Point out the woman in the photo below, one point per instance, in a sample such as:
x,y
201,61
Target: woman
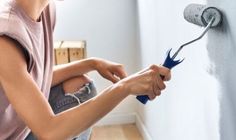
x,y
27,74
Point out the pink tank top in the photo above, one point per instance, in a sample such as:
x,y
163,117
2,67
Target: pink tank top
x,y
37,42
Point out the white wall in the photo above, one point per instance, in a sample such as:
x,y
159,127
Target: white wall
x,y
221,49
188,109
109,27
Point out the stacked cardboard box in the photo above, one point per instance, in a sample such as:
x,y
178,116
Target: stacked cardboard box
x,y
69,51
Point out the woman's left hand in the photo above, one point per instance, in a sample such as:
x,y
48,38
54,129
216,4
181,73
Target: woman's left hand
x,y
110,70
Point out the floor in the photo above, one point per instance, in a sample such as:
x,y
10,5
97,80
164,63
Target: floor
x,y
116,132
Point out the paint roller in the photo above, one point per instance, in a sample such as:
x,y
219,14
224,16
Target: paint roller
x,y
202,15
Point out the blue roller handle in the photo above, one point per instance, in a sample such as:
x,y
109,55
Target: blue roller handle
x,y
169,63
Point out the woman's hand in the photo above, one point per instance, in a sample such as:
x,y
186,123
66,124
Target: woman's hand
x,y
109,70
147,82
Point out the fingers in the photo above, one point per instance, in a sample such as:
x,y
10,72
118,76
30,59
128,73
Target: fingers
x,y
165,72
120,71
158,83
116,73
156,89
157,77
113,78
148,81
111,71
151,96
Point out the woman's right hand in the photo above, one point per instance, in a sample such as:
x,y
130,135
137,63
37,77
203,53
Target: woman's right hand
x,y
147,82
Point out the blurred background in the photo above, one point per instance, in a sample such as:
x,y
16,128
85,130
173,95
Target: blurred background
x,y
199,101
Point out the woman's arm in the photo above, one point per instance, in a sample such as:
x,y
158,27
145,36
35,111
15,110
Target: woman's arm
x,y
33,108
66,71
109,70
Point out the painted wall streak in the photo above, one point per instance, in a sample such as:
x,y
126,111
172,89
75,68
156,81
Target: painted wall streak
x,y
221,49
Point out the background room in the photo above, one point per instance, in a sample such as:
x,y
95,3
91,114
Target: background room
x,y
198,103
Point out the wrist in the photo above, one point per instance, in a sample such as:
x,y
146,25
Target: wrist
x,y
123,87
93,63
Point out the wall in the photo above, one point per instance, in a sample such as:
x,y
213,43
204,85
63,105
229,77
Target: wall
x,y
189,108
109,27
221,48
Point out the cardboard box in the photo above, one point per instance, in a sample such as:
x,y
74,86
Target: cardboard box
x,y
69,51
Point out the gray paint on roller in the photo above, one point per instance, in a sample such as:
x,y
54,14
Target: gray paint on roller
x,y
193,14
221,48
202,14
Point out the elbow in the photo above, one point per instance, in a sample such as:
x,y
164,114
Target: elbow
x,y
47,133
48,136
52,135
45,136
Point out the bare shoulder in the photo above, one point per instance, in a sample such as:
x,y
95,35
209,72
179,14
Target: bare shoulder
x,y
12,58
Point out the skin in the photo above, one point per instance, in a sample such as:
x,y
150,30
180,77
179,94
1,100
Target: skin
x,y
39,116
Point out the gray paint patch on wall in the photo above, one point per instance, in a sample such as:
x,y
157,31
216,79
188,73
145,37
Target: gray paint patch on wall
x,y
221,48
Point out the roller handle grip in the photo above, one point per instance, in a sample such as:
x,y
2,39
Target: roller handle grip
x,y
169,63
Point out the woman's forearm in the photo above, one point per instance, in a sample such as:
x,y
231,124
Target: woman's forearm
x,y
66,71
75,120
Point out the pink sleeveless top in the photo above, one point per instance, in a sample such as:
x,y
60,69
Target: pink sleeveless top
x,y
37,42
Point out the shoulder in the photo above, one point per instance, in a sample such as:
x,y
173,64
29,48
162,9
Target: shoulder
x,y
12,57
12,25
13,29
14,35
